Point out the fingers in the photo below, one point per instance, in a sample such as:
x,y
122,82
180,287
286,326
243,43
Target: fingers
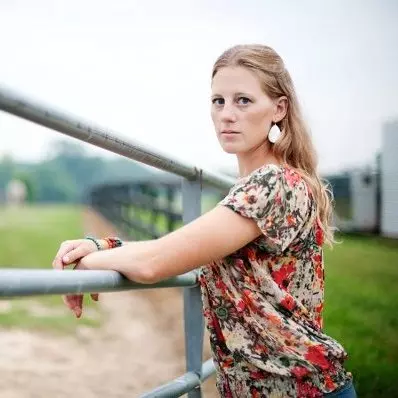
x,y
75,254
71,251
95,296
65,247
75,303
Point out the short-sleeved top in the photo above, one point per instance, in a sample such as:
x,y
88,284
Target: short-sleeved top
x,y
263,303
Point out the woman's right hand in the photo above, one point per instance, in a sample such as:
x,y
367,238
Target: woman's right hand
x,y
71,252
73,249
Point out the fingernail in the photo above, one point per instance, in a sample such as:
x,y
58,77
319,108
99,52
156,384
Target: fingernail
x,y
66,259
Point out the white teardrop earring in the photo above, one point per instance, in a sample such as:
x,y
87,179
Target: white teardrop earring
x,y
274,133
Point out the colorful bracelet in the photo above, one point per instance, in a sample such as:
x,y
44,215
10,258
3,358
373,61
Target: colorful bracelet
x,y
113,242
95,241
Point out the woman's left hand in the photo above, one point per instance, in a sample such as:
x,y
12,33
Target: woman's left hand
x,y
75,301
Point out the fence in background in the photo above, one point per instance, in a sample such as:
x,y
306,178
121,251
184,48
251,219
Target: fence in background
x,y
14,283
141,211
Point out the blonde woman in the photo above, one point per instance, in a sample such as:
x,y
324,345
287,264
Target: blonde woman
x,y
263,279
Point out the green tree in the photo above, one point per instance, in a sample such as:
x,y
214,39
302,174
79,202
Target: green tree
x,y
7,170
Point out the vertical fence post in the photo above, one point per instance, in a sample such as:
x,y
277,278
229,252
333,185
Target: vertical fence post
x,y
193,315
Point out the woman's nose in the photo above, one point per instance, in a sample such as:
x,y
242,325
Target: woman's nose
x,y
228,114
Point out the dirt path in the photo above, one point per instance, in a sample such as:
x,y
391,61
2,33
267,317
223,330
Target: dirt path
x,y
139,346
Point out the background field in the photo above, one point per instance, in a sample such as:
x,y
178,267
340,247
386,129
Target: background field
x,y
361,291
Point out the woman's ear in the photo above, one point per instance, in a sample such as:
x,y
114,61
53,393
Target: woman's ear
x,y
281,106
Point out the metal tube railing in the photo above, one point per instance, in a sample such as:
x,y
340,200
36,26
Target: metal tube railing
x,y
38,282
40,113
193,316
182,385
24,282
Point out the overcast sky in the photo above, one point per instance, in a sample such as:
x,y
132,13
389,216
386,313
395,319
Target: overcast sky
x,y
143,69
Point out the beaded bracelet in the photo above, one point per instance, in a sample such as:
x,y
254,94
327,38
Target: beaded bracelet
x,y
113,242
95,241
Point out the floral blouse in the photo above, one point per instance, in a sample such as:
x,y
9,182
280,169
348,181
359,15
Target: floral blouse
x,y
263,304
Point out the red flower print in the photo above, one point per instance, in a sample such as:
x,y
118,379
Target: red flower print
x,y
261,348
251,253
319,271
247,294
227,363
319,238
330,384
290,220
292,178
319,308
241,306
275,320
227,390
221,285
283,275
217,329
318,316
257,375
288,302
238,263
254,393
317,356
306,390
299,372
317,258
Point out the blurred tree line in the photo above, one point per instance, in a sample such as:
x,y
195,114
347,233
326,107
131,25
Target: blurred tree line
x,y
68,173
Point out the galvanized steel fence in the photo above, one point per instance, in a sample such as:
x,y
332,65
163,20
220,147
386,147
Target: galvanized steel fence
x,y
14,283
134,207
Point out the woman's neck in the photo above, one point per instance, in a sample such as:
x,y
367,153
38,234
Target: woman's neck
x,y
250,162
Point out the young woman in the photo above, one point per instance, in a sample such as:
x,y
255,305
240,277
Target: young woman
x,y
263,279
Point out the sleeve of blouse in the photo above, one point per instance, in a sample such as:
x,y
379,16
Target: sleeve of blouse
x,y
276,199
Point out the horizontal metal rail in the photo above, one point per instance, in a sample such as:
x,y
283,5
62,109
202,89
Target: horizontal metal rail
x,y
183,384
25,282
73,126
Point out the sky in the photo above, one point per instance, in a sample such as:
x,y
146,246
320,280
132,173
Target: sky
x,y
142,68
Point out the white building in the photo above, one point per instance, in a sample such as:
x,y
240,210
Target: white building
x,y
363,187
389,180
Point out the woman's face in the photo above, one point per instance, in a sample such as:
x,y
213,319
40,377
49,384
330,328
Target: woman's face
x,y
242,113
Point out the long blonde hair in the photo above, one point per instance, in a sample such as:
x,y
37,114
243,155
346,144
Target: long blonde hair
x,y
295,147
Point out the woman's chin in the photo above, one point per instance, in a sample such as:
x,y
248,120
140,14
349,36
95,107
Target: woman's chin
x,y
232,149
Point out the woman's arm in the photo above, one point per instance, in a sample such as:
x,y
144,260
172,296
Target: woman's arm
x,y
212,236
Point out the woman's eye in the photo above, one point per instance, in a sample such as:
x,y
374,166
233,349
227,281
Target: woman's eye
x,y
243,100
218,101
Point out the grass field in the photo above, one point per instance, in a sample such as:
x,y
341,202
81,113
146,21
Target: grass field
x,y
362,310
361,291
30,238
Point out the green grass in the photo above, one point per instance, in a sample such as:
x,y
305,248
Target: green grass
x,y
30,238
362,310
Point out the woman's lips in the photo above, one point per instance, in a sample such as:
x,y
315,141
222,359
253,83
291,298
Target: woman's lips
x,y
229,133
